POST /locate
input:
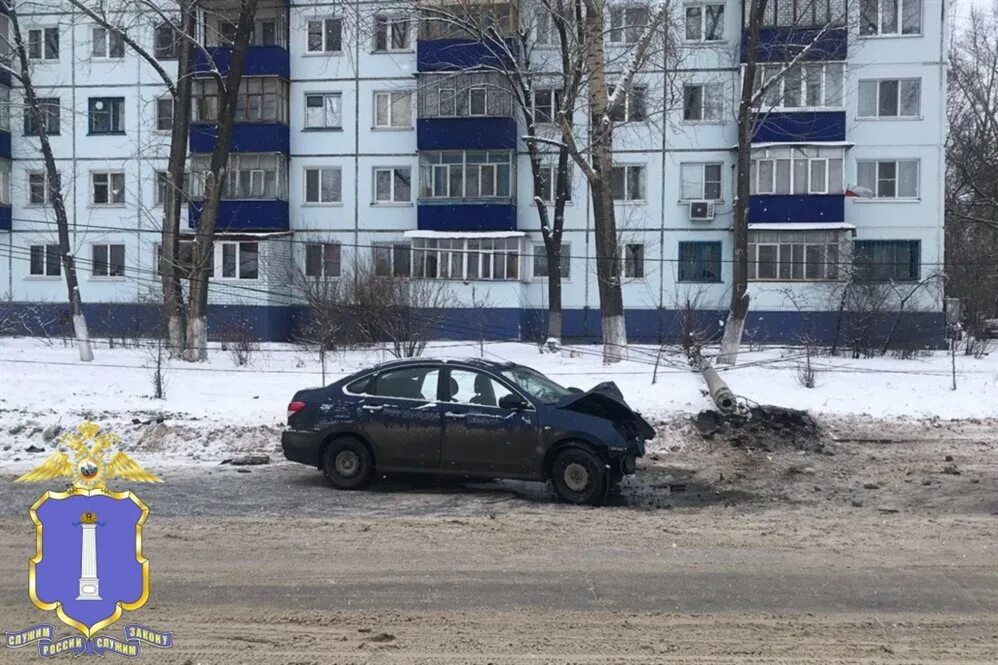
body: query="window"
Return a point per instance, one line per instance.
(323, 185)
(700, 182)
(700, 262)
(465, 175)
(393, 185)
(703, 102)
(887, 260)
(46, 261)
(324, 111)
(325, 35)
(628, 183)
(162, 187)
(107, 115)
(392, 259)
(108, 261)
(108, 188)
(796, 170)
(39, 189)
(239, 260)
(890, 98)
(627, 24)
(540, 257)
(419, 383)
(478, 104)
(248, 176)
(107, 43)
(468, 387)
(5, 177)
(4, 106)
(49, 108)
(184, 261)
(705, 23)
(803, 13)
(392, 110)
(466, 258)
(547, 101)
(888, 179)
(549, 182)
(164, 114)
(43, 44)
(634, 261)
(890, 17)
(810, 85)
(322, 259)
(391, 33)
(167, 42)
(260, 99)
(545, 33)
(794, 255)
(447, 102)
(632, 107)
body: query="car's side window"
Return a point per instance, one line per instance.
(408, 383)
(361, 386)
(468, 387)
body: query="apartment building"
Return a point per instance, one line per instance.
(364, 134)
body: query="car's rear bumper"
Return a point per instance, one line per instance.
(303, 447)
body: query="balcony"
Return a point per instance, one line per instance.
(439, 55)
(486, 133)
(260, 61)
(246, 215)
(264, 137)
(800, 127)
(802, 208)
(782, 44)
(466, 216)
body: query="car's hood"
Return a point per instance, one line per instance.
(606, 401)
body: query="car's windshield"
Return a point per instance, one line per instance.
(535, 383)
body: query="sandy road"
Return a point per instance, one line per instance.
(271, 567)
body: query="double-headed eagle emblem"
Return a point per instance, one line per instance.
(86, 456)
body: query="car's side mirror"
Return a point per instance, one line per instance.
(513, 402)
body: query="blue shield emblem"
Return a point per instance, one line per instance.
(88, 566)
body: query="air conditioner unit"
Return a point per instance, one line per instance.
(701, 211)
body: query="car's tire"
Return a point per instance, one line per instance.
(579, 476)
(347, 463)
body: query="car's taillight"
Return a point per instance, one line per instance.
(295, 407)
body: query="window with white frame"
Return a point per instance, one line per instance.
(547, 101)
(163, 187)
(5, 182)
(248, 176)
(632, 107)
(890, 98)
(627, 23)
(46, 261)
(808, 85)
(704, 23)
(164, 114)
(322, 259)
(545, 32)
(888, 179)
(106, 43)
(796, 170)
(323, 185)
(446, 102)
(108, 260)
(49, 108)
(43, 43)
(700, 181)
(890, 17)
(628, 182)
(634, 260)
(167, 42)
(703, 102)
(549, 183)
(324, 35)
(260, 99)
(39, 188)
(478, 101)
(324, 111)
(5, 108)
(184, 261)
(795, 255)
(471, 94)
(237, 260)
(392, 259)
(391, 33)
(802, 13)
(393, 184)
(466, 258)
(456, 174)
(540, 261)
(393, 110)
(107, 188)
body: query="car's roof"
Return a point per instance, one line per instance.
(472, 362)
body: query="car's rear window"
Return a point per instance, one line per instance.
(360, 386)
(408, 383)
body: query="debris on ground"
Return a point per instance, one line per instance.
(249, 460)
(767, 428)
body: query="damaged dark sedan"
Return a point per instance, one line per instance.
(467, 417)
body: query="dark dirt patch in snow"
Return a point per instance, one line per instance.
(768, 428)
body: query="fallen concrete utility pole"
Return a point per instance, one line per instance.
(718, 389)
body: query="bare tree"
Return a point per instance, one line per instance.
(39, 112)
(323, 329)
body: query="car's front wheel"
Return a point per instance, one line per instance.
(579, 476)
(347, 463)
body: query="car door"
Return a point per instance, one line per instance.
(401, 416)
(480, 437)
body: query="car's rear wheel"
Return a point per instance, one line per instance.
(347, 463)
(579, 476)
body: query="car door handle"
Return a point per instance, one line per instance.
(451, 414)
(369, 407)
(489, 416)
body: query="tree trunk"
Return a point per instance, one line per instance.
(176, 196)
(204, 246)
(80, 331)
